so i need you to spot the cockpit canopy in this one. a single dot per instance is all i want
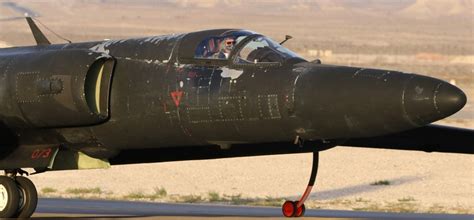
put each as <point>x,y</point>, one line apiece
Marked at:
<point>240,46</point>
<point>220,47</point>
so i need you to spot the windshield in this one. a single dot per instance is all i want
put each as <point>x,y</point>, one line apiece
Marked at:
<point>263,49</point>
<point>220,47</point>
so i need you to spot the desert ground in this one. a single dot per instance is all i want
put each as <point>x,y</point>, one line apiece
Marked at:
<point>428,37</point>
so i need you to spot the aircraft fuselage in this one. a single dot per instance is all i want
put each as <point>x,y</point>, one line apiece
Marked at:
<point>158,96</point>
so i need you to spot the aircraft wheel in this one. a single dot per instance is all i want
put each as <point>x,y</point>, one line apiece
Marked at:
<point>28,197</point>
<point>9,197</point>
<point>289,208</point>
<point>300,211</point>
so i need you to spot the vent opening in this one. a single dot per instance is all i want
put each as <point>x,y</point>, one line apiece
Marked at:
<point>97,86</point>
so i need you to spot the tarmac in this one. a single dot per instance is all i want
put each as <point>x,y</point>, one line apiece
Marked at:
<point>53,208</point>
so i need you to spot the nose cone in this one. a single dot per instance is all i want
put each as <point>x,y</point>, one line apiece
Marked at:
<point>345,102</point>
<point>449,99</point>
<point>427,99</point>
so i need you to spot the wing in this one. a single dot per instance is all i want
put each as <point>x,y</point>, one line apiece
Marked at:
<point>431,138</point>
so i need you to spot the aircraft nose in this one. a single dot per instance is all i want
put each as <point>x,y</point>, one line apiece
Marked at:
<point>427,99</point>
<point>449,99</point>
<point>336,102</point>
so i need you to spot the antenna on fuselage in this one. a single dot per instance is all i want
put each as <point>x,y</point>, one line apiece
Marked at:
<point>38,35</point>
<point>287,37</point>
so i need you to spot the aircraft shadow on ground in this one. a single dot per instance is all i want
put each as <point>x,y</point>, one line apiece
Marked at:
<point>357,189</point>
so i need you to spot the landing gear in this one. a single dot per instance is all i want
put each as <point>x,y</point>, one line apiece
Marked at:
<point>297,208</point>
<point>28,197</point>
<point>18,196</point>
<point>9,197</point>
<point>290,209</point>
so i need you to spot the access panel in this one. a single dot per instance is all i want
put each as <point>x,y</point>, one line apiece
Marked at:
<point>62,88</point>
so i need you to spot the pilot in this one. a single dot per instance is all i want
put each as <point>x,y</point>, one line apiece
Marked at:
<point>226,47</point>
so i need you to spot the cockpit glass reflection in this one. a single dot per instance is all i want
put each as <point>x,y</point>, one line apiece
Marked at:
<point>263,49</point>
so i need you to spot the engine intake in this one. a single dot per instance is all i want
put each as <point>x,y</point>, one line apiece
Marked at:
<point>59,88</point>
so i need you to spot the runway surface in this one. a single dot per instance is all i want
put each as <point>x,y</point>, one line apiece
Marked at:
<point>59,208</point>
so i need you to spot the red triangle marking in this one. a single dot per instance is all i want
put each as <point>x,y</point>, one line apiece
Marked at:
<point>176,95</point>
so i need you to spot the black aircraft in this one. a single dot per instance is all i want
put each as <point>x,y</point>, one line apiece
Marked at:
<point>201,95</point>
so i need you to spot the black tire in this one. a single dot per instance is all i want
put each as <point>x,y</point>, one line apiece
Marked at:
<point>9,197</point>
<point>28,195</point>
